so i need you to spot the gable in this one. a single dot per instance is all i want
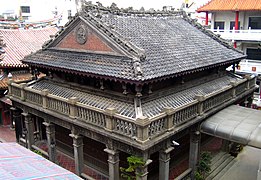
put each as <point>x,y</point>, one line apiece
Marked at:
<point>82,37</point>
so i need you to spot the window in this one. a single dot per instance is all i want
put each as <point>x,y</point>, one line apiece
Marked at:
<point>219,25</point>
<point>255,22</point>
<point>254,54</point>
<point>25,9</point>
<point>232,24</point>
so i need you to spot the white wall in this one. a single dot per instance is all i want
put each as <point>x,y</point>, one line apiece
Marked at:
<point>231,16</point>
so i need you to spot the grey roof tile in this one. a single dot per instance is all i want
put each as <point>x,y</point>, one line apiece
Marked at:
<point>172,45</point>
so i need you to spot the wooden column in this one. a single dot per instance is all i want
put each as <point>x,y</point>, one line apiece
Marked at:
<point>206,23</point>
<point>236,26</point>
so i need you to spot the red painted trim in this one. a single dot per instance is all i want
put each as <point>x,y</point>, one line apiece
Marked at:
<point>206,23</point>
<point>236,20</point>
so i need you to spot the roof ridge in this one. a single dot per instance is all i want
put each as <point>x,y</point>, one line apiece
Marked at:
<point>119,39</point>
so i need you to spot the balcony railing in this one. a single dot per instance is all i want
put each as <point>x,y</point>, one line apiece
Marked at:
<point>239,35</point>
<point>140,129</point>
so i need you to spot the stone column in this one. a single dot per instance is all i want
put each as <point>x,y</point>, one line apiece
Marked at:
<point>78,152</point>
<point>12,109</point>
<point>113,161</point>
<point>164,158</point>
<point>18,124</point>
<point>50,133</point>
<point>29,125</point>
<point>142,172</point>
<point>194,151</point>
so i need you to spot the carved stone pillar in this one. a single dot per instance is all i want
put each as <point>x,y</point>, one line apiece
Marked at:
<point>78,152</point>
<point>113,161</point>
<point>50,133</point>
<point>194,151</point>
<point>29,125</point>
<point>164,158</point>
<point>142,172</point>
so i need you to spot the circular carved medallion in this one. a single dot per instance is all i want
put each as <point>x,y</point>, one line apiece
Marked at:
<point>81,34</point>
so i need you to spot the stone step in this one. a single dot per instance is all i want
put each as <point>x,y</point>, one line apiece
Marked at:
<point>225,169</point>
<point>216,163</point>
<point>217,157</point>
<point>219,165</point>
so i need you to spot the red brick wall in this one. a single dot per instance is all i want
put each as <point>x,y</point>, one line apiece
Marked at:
<point>93,43</point>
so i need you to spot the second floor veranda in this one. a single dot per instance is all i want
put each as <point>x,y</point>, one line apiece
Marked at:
<point>239,35</point>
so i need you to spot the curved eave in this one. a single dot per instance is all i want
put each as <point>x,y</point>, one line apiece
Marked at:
<point>223,10</point>
<point>13,65</point>
<point>138,81</point>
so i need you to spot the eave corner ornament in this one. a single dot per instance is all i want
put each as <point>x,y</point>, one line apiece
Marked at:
<point>81,34</point>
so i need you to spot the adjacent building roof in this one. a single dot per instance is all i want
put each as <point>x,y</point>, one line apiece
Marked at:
<point>231,5</point>
<point>237,124</point>
<point>20,43</point>
<point>17,76</point>
<point>154,45</point>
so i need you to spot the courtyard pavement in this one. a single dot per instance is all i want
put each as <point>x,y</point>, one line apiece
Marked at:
<point>246,166</point>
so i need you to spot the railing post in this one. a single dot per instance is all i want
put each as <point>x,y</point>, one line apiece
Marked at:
<point>201,99</point>
<point>248,77</point>
<point>73,110</point>
<point>9,82</point>
<point>142,128</point>
<point>44,93</point>
<point>169,120</point>
<point>233,84</point>
<point>110,124</point>
<point>22,86</point>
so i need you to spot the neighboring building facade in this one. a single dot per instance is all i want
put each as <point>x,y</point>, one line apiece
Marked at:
<point>123,83</point>
<point>14,46</point>
<point>30,13</point>
<point>240,22</point>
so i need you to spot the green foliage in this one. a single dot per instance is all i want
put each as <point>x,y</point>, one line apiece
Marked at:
<point>134,162</point>
<point>38,152</point>
<point>203,166</point>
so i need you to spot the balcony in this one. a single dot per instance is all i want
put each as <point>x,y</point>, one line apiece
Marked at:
<point>239,35</point>
<point>139,129</point>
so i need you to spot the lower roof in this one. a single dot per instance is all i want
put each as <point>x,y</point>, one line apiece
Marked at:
<point>150,108</point>
<point>237,124</point>
<point>19,163</point>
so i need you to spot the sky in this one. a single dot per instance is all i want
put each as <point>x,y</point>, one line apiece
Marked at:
<point>136,4</point>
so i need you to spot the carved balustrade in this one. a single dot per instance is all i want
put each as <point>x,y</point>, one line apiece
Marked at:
<point>141,128</point>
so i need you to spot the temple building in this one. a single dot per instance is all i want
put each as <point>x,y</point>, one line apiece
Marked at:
<point>124,82</point>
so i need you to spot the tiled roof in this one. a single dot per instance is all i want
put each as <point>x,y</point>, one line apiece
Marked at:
<point>231,5</point>
<point>150,108</point>
<point>21,42</point>
<point>104,65</point>
<point>172,45</point>
<point>16,77</point>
